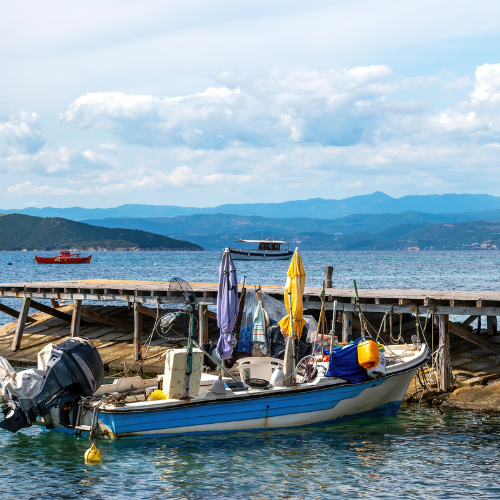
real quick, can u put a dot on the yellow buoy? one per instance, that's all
(157, 395)
(93, 455)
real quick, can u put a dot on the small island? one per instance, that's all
(25, 232)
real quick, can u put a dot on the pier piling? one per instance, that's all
(346, 326)
(21, 323)
(444, 354)
(137, 332)
(75, 318)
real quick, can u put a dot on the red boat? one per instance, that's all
(66, 257)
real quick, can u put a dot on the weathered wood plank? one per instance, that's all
(203, 323)
(346, 326)
(148, 311)
(52, 311)
(137, 333)
(491, 326)
(76, 318)
(21, 323)
(105, 319)
(15, 314)
(474, 338)
(444, 354)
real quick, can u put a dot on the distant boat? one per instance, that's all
(267, 250)
(65, 257)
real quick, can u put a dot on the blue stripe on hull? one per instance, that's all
(382, 411)
(221, 412)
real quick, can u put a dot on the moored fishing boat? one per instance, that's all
(64, 257)
(251, 404)
(266, 250)
(362, 378)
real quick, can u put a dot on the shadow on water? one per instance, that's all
(417, 454)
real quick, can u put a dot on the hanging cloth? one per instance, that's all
(259, 329)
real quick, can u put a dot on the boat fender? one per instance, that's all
(218, 387)
(278, 377)
(157, 395)
(93, 455)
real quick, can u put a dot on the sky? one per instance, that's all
(200, 103)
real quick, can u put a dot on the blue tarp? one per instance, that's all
(245, 339)
(344, 364)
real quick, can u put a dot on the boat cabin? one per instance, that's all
(269, 246)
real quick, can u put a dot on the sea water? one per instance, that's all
(419, 453)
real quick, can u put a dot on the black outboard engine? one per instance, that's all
(74, 370)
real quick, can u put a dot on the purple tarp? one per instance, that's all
(227, 305)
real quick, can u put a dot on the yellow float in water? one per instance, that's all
(93, 455)
(368, 354)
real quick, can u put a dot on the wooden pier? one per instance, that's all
(73, 311)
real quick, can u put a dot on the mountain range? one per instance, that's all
(318, 208)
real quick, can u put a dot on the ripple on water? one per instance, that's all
(417, 454)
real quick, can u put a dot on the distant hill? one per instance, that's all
(24, 232)
(219, 230)
(317, 208)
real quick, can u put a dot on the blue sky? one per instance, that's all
(199, 103)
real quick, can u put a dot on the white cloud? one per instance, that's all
(328, 107)
(27, 189)
(487, 86)
(108, 146)
(20, 134)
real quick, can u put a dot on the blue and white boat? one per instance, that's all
(217, 406)
(321, 400)
(66, 394)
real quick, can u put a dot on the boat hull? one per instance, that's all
(63, 260)
(293, 408)
(254, 255)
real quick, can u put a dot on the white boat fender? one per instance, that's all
(381, 369)
(278, 377)
(218, 387)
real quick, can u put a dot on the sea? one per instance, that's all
(420, 453)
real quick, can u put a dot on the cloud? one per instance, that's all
(20, 134)
(108, 146)
(27, 189)
(487, 85)
(336, 107)
(61, 162)
(478, 117)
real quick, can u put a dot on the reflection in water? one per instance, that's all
(416, 454)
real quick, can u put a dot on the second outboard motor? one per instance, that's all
(74, 370)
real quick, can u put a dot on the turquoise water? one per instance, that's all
(419, 453)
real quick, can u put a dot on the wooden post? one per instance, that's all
(137, 332)
(492, 325)
(203, 322)
(444, 354)
(347, 326)
(328, 277)
(21, 323)
(76, 317)
(478, 331)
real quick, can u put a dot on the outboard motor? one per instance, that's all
(74, 370)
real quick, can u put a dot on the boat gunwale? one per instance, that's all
(258, 395)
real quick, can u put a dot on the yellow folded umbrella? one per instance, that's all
(295, 284)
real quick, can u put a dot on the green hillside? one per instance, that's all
(25, 232)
